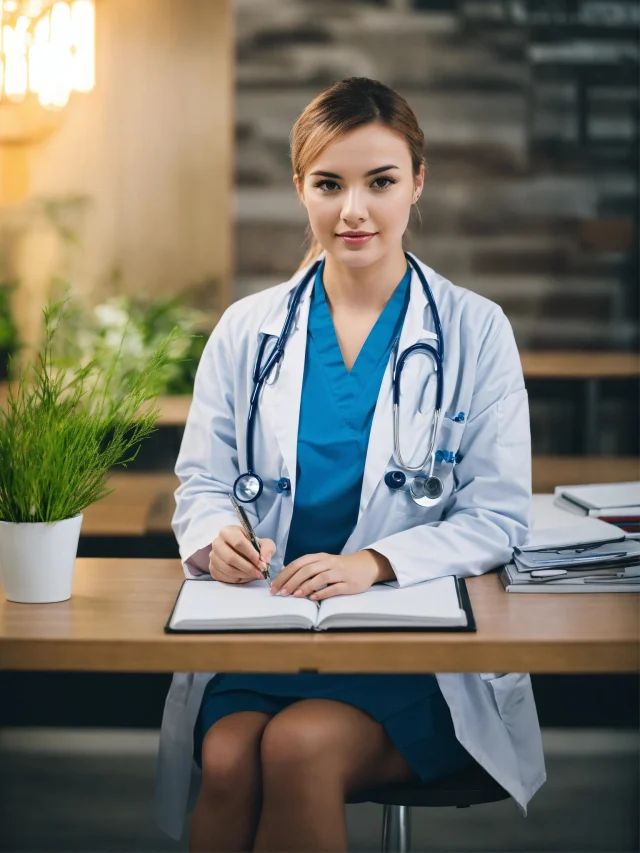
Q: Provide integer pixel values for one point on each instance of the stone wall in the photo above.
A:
(532, 194)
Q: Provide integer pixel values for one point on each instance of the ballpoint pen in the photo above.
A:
(246, 526)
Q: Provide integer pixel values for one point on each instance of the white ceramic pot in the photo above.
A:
(37, 559)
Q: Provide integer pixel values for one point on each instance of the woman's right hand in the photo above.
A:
(233, 559)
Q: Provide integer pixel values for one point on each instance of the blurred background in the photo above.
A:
(144, 167)
(168, 175)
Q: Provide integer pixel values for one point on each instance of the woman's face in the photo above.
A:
(362, 182)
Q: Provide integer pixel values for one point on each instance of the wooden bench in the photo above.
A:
(538, 364)
(143, 504)
(132, 508)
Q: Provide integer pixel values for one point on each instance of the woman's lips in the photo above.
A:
(356, 241)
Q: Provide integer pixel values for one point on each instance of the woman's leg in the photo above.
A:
(226, 812)
(313, 753)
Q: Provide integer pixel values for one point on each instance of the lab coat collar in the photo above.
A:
(280, 396)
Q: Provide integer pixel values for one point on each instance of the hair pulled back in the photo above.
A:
(342, 107)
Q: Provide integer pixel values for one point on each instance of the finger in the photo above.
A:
(317, 582)
(221, 570)
(235, 537)
(222, 573)
(226, 574)
(334, 589)
(293, 585)
(239, 562)
(232, 574)
(290, 570)
(267, 549)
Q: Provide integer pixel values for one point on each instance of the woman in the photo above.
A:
(275, 755)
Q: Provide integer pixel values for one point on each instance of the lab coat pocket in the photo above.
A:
(448, 446)
(509, 691)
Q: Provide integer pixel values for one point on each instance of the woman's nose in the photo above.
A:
(354, 207)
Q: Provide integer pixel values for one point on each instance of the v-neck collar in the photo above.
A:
(356, 390)
(322, 328)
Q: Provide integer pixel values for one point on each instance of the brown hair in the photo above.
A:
(342, 107)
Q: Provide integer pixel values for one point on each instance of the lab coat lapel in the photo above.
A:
(418, 391)
(279, 402)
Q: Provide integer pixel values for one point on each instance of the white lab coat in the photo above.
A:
(484, 512)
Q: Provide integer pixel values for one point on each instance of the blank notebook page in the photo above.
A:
(437, 599)
(205, 600)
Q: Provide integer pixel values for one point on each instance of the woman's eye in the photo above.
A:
(323, 184)
(329, 185)
(389, 181)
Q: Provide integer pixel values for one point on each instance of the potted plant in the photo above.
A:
(61, 432)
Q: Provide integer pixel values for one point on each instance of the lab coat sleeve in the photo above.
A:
(207, 463)
(488, 511)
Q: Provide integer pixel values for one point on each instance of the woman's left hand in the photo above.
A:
(323, 575)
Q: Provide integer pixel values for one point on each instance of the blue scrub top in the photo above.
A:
(336, 411)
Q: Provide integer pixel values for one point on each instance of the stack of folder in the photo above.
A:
(616, 503)
(592, 556)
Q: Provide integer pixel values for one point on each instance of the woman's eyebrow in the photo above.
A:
(367, 174)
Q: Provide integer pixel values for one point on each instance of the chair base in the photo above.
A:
(469, 787)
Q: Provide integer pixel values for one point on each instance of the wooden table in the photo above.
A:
(114, 623)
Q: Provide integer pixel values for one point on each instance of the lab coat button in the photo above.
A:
(283, 484)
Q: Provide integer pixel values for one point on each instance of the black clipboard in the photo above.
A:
(463, 600)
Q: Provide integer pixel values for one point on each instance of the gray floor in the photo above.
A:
(67, 790)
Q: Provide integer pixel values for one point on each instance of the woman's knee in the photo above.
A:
(297, 737)
(231, 751)
(322, 737)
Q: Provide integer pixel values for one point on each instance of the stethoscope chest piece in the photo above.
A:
(426, 491)
(247, 488)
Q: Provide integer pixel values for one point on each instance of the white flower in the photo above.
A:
(111, 316)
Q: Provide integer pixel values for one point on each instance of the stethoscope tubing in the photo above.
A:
(261, 373)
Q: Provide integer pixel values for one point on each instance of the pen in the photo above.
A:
(246, 526)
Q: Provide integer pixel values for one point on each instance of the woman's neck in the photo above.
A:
(362, 288)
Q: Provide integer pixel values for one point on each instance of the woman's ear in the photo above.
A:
(299, 185)
(418, 183)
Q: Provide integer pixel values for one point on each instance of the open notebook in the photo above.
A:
(208, 605)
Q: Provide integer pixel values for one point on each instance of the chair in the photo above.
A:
(468, 787)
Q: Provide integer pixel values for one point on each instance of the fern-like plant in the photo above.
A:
(62, 430)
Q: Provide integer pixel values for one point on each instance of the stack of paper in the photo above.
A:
(591, 556)
(616, 503)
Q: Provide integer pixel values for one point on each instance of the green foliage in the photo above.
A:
(136, 325)
(8, 331)
(64, 428)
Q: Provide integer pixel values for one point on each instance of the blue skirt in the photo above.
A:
(411, 708)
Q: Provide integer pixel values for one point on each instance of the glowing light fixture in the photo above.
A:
(46, 49)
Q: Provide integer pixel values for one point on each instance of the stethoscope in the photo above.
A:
(425, 490)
